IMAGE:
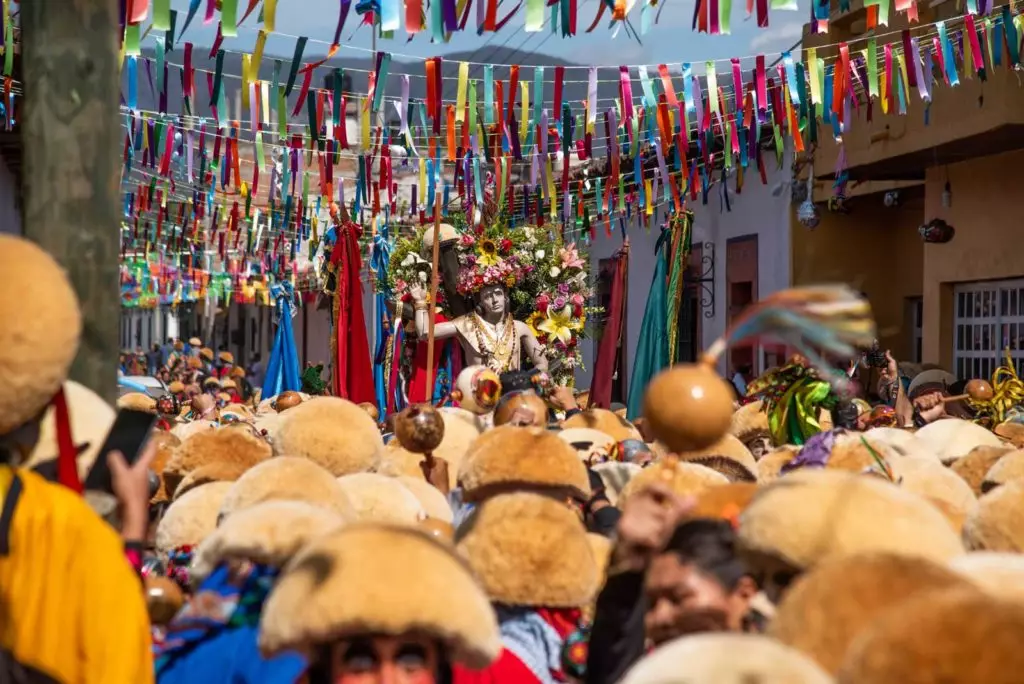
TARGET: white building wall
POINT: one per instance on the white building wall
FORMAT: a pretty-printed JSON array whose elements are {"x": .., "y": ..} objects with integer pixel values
[{"x": 757, "y": 210}]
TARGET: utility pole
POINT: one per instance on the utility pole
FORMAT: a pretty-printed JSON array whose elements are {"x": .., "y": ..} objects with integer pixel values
[{"x": 70, "y": 139}]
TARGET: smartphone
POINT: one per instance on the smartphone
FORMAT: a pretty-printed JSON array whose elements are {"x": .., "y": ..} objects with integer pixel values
[{"x": 128, "y": 435}]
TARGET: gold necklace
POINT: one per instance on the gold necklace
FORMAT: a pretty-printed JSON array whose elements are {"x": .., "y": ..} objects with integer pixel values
[{"x": 498, "y": 348}]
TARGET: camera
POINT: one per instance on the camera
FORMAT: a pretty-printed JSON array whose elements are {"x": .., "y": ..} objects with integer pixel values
[{"x": 875, "y": 357}]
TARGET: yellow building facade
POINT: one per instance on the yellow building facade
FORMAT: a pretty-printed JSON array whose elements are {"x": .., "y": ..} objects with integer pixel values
[{"x": 957, "y": 304}]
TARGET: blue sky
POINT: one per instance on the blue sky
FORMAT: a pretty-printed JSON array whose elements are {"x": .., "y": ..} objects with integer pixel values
[{"x": 669, "y": 41}]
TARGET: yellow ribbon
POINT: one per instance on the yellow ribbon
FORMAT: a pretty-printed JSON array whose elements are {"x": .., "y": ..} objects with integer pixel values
[{"x": 1008, "y": 391}]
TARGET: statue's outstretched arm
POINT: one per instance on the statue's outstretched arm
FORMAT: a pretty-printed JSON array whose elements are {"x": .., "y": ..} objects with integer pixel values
[
  {"x": 533, "y": 348},
  {"x": 441, "y": 330}
]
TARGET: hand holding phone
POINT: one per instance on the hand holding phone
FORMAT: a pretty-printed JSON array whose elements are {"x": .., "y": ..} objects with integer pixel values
[{"x": 128, "y": 435}]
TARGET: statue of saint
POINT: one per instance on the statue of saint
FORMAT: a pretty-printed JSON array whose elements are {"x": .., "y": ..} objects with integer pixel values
[{"x": 489, "y": 335}]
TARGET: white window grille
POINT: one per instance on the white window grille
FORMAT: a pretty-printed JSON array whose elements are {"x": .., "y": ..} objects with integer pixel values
[
  {"x": 988, "y": 318},
  {"x": 915, "y": 313}
]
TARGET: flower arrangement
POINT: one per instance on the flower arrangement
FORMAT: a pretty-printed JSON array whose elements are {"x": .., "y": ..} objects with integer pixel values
[{"x": 548, "y": 281}]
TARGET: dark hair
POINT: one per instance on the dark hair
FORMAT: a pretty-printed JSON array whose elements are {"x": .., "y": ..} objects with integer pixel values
[{"x": 710, "y": 546}]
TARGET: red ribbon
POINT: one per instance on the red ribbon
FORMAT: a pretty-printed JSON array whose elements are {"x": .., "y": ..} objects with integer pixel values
[{"x": 67, "y": 467}]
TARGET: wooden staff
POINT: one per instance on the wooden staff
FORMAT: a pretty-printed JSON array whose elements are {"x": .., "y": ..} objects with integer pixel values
[{"x": 432, "y": 307}]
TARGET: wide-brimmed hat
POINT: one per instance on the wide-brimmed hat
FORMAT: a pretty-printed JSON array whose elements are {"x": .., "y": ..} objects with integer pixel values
[{"x": 371, "y": 579}]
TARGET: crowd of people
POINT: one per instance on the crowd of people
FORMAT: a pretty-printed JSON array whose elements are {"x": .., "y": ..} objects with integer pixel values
[
  {"x": 866, "y": 536},
  {"x": 189, "y": 369}
]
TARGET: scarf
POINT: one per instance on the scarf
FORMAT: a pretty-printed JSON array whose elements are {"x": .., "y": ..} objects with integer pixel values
[
  {"x": 536, "y": 637},
  {"x": 232, "y": 596}
]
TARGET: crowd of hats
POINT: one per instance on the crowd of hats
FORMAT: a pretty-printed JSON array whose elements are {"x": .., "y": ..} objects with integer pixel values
[{"x": 897, "y": 559}]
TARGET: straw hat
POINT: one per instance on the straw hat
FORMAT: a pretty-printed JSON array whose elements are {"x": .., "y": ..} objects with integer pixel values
[
  {"x": 590, "y": 445},
  {"x": 269, "y": 533},
  {"x": 750, "y": 422},
  {"x": 332, "y": 432},
  {"x": 90, "y": 417},
  {"x": 192, "y": 518},
  {"x": 383, "y": 499},
  {"x": 724, "y": 658},
  {"x": 974, "y": 465},
  {"x": 935, "y": 482},
  {"x": 530, "y": 550},
  {"x": 948, "y": 636},
  {"x": 218, "y": 471},
  {"x": 1007, "y": 469},
  {"x": 815, "y": 515},
  {"x": 729, "y": 456},
  {"x": 615, "y": 476},
  {"x": 935, "y": 376},
  {"x": 826, "y": 609},
  {"x": 527, "y": 458},
  {"x": 769, "y": 468},
  {"x": 137, "y": 401},
  {"x": 211, "y": 446},
  {"x": 286, "y": 478},
  {"x": 684, "y": 479},
  {"x": 433, "y": 502},
  {"x": 374, "y": 579},
  {"x": 603, "y": 420},
  {"x": 1000, "y": 574},
  {"x": 952, "y": 438},
  {"x": 40, "y": 331},
  {"x": 997, "y": 522}
]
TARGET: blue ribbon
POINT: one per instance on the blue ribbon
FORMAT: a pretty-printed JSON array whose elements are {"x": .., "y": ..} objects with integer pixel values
[{"x": 379, "y": 261}]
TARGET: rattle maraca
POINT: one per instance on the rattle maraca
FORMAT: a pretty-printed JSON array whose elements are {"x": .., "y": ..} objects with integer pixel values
[
  {"x": 524, "y": 408},
  {"x": 163, "y": 599},
  {"x": 420, "y": 429},
  {"x": 976, "y": 390},
  {"x": 371, "y": 410},
  {"x": 689, "y": 406},
  {"x": 287, "y": 400},
  {"x": 477, "y": 389}
]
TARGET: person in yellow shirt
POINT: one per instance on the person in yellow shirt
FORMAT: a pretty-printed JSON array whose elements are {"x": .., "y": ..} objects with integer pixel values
[{"x": 71, "y": 607}]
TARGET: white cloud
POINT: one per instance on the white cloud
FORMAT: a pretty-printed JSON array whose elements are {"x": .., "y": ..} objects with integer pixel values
[{"x": 779, "y": 37}]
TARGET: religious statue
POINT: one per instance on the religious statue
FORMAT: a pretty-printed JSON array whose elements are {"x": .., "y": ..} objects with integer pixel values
[{"x": 488, "y": 334}]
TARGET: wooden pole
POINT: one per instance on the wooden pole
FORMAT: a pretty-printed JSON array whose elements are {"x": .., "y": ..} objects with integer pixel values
[
  {"x": 432, "y": 306},
  {"x": 71, "y": 143}
]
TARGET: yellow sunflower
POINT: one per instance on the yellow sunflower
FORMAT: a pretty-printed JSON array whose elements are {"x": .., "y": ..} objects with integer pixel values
[
  {"x": 534, "y": 320},
  {"x": 487, "y": 252},
  {"x": 578, "y": 323}
]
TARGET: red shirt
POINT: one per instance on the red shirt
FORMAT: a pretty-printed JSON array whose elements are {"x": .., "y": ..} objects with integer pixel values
[{"x": 507, "y": 669}]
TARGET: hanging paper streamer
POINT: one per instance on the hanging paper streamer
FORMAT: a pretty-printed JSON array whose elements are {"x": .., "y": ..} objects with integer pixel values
[
  {"x": 228, "y": 18},
  {"x": 390, "y": 15},
  {"x": 138, "y": 10},
  {"x": 534, "y": 15},
  {"x": 947, "y": 55}
]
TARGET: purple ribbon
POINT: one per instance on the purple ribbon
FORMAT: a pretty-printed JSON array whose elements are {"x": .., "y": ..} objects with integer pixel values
[{"x": 815, "y": 453}]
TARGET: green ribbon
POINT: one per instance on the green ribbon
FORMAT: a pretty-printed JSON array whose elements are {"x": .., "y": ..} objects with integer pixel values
[{"x": 794, "y": 418}]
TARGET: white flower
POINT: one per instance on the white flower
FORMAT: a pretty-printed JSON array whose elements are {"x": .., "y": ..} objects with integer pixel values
[
  {"x": 554, "y": 271},
  {"x": 539, "y": 254},
  {"x": 422, "y": 276}
]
